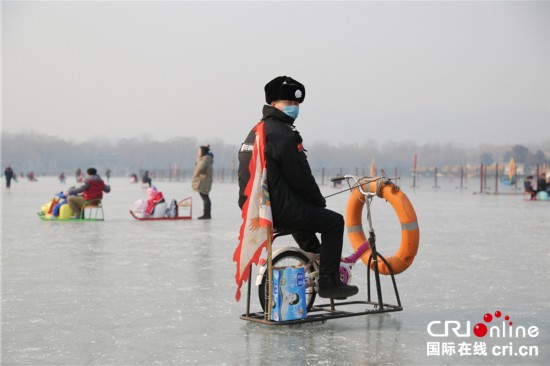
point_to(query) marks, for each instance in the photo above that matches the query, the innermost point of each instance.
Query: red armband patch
(300, 147)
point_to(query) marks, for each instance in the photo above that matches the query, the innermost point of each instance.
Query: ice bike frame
(331, 310)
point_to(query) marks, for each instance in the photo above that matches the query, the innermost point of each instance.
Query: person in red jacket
(92, 188)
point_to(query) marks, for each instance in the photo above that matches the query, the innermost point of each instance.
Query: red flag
(256, 213)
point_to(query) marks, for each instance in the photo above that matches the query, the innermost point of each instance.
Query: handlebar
(337, 179)
(357, 181)
(340, 178)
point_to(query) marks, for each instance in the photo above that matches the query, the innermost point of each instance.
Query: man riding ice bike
(297, 204)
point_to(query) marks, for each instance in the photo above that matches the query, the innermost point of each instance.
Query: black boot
(331, 286)
(205, 215)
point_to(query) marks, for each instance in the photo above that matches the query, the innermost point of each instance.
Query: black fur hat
(205, 149)
(285, 88)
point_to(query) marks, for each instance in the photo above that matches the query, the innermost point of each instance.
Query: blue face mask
(291, 110)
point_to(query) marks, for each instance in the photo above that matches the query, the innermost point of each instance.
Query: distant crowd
(75, 196)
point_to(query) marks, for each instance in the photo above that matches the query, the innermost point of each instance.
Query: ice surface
(125, 292)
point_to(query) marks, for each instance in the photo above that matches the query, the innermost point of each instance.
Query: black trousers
(207, 204)
(331, 226)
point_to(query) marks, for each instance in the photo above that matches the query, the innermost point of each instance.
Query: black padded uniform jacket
(291, 184)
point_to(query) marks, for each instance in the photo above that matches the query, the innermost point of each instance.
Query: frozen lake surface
(125, 292)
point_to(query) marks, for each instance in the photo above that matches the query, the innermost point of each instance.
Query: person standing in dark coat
(146, 179)
(297, 205)
(528, 187)
(8, 173)
(541, 183)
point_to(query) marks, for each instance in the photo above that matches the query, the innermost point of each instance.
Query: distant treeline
(47, 155)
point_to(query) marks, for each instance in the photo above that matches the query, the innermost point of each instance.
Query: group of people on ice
(542, 191)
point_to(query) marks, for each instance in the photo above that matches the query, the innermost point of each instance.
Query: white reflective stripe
(410, 226)
(355, 229)
(246, 147)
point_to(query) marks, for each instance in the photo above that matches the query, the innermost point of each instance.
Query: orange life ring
(410, 233)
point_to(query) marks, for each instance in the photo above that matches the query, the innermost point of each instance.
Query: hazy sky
(462, 72)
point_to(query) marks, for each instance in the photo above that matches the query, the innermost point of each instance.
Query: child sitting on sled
(61, 200)
(155, 206)
(53, 208)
